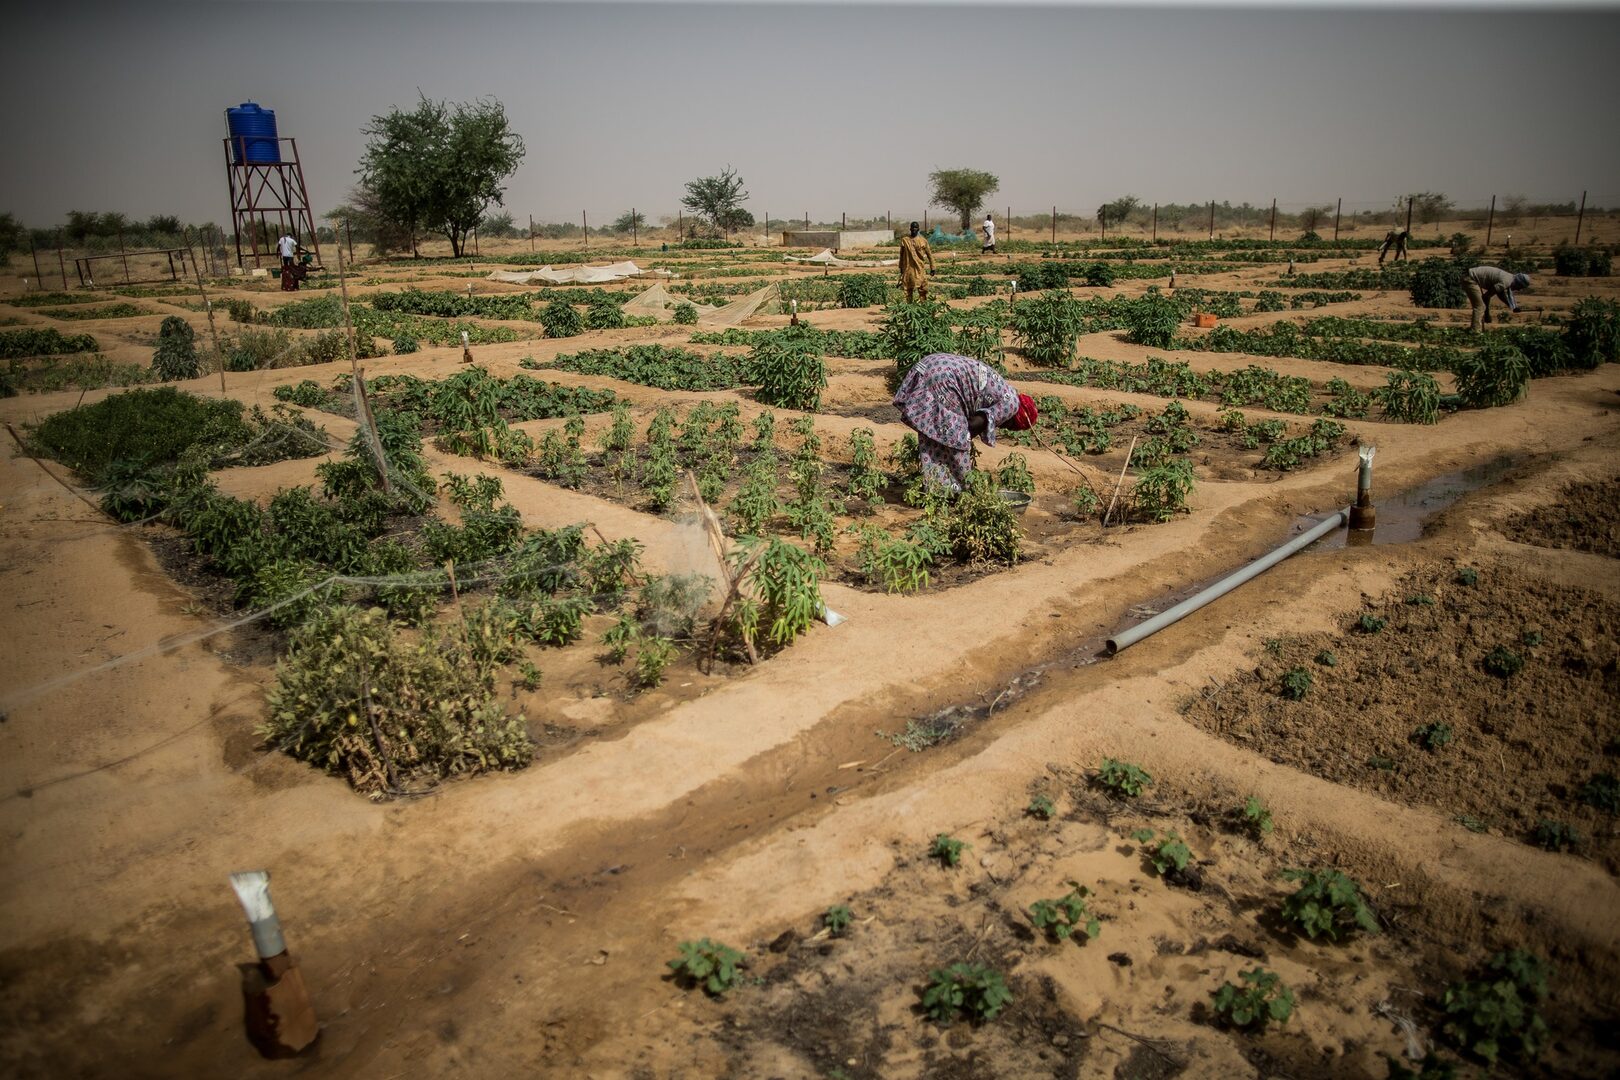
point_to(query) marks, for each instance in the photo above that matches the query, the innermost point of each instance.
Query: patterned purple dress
(939, 394)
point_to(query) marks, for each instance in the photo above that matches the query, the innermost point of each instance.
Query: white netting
(827, 258)
(576, 275)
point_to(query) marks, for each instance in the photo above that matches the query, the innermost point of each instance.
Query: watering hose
(1127, 638)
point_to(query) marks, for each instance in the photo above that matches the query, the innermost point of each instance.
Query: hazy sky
(826, 108)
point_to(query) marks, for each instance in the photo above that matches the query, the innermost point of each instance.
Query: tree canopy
(1115, 213)
(718, 200)
(438, 167)
(962, 190)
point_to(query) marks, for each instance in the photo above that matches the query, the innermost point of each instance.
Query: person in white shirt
(989, 235)
(287, 246)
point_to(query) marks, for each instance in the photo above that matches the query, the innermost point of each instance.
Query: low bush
(176, 356)
(789, 372)
(1327, 904)
(1493, 375)
(1261, 999)
(1062, 917)
(1048, 327)
(561, 319)
(1121, 779)
(1497, 1014)
(1153, 321)
(44, 342)
(707, 964)
(977, 991)
(1438, 283)
(862, 290)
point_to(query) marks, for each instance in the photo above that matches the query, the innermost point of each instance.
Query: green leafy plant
(862, 290)
(981, 527)
(782, 585)
(1327, 903)
(1438, 283)
(1498, 1014)
(561, 319)
(653, 655)
(1086, 501)
(1254, 817)
(1371, 624)
(1168, 854)
(528, 675)
(707, 964)
(971, 989)
(1503, 663)
(684, 314)
(866, 479)
(1327, 658)
(789, 371)
(1041, 807)
(1121, 779)
(1262, 998)
(1556, 835)
(1467, 576)
(912, 331)
(1432, 736)
(837, 919)
(176, 356)
(1048, 328)
(1296, 683)
(48, 341)
(1160, 493)
(1014, 474)
(1152, 320)
(947, 849)
(1410, 396)
(1061, 917)
(1601, 792)
(1495, 374)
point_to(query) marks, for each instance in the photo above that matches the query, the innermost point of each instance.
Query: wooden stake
(635, 234)
(1212, 219)
(213, 331)
(1409, 213)
(1120, 482)
(1340, 209)
(1490, 220)
(531, 232)
(1581, 216)
(1054, 224)
(1155, 222)
(585, 227)
(1274, 219)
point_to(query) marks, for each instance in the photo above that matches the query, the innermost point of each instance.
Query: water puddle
(1401, 519)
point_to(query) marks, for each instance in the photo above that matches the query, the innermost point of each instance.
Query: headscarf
(1027, 414)
(1521, 282)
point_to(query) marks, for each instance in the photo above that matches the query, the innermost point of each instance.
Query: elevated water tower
(268, 194)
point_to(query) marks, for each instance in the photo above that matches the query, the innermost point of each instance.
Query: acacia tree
(962, 190)
(1115, 213)
(438, 167)
(628, 221)
(718, 200)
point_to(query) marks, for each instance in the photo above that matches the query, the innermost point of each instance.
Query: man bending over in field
(1484, 282)
(1397, 239)
(913, 254)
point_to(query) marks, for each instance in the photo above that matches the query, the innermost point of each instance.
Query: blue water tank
(253, 132)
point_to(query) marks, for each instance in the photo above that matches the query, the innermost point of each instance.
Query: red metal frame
(260, 189)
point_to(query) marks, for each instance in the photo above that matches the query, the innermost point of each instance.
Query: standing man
(287, 247)
(1484, 282)
(1397, 239)
(989, 235)
(913, 254)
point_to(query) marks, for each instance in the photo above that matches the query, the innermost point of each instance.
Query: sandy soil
(519, 922)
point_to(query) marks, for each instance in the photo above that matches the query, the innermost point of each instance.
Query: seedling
(1060, 918)
(1264, 998)
(652, 658)
(1327, 903)
(1086, 501)
(977, 991)
(837, 919)
(1121, 779)
(1467, 576)
(1432, 736)
(1168, 854)
(1041, 807)
(1420, 601)
(707, 964)
(1602, 792)
(1471, 823)
(1273, 646)
(1254, 817)
(1497, 1014)
(528, 675)
(1327, 659)
(1555, 835)
(947, 850)
(1371, 624)
(1296, 684)
(1503, 663)
(1531, 638)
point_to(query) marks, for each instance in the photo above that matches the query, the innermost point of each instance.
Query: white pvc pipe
(1127, 638)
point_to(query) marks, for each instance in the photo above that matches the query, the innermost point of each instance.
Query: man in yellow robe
(914, 254)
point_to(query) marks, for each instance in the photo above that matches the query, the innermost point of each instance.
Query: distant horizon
(620, 104)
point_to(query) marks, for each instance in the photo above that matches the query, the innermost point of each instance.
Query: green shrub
(405, 344)
(1061, 917)
(1327, 903)
(561, 319)
(707, 964)
(782, 588)
(837, 919)
(789, 372)
(1296, 683)
(1555, 835)
(913, 331)
(353, 699)
(147, 429)
(1467, 576)
(1041, 807)
(1438, 283)
(947, 850)
(176, 356)
(980, 526)
(1371, 624)
(1493, 375)
(1048, 328)
(1497, 1015)
(977, 991)
(1168, 854)
(1571, 261)
(1411, 397)
(1263, 999)
(685, 314)
(1101, 275)
(862, 290)
(46, 341)
(1601, 792)
(1254, 817)
(1503, 663)
(1593, 333)
(1432, 736)
(1160, 493)
(1153, 321)
(603, 314)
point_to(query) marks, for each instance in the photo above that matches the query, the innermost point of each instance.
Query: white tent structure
(576, 275)
(660, 304)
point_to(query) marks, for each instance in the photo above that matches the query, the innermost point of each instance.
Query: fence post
(38, 284)
(585, 228)
(1273, 220)
(1054, 224)
(1409, 213)
(61, 264)
(1579, 217)
(765, 233)
(807, 219)
(1155, 223)
(1490, 220)
(635, 234)
(1212, 219)
(1338, 210)
(1102, 218)
(531, 234)
(843, 221)
(122, 255)
(1009, 223)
